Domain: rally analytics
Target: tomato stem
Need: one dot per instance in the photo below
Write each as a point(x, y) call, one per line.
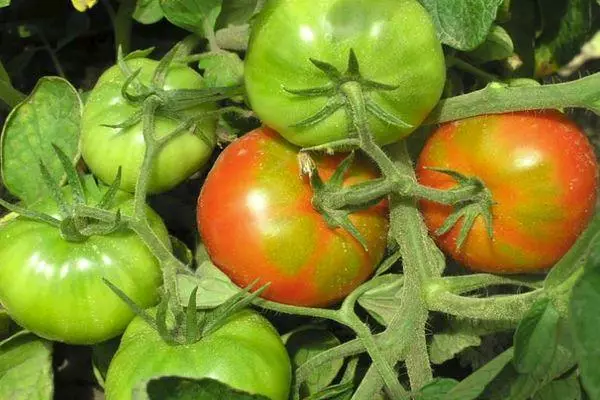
point(581, 93)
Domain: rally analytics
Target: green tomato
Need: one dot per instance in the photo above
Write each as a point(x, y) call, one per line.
point(104, 149)
point(395, 43)
point(54, 287)
point(246, 353)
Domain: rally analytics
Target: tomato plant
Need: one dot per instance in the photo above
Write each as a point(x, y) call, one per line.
point(105, 148)
point(542, 174)
point(54, 287)
point(255, 193)
point(395, 43)
point(245, 353)
point(352, 246)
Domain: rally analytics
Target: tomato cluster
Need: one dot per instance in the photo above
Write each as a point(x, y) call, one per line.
point(256, 212)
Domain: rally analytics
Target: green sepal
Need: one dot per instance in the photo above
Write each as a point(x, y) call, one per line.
point(108, 197)
point(191, 320)
point(135, 118)
point(337, 179)
point(385, 116)
point(31, 214)
point(55, 191)
point(140, 312)
point(332, 105)
point(353, 69)
point(327, 90)
point(469, 212)
point(342, 145)
point(72, 176)
point(331, 71)
point(129, 80)
point(216, 318)
point(160, 73)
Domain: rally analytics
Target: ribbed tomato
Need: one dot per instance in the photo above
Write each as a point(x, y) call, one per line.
point(257, 222)
point(542, 173)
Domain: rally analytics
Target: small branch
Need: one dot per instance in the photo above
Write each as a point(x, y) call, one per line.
point(468, 283)
point(582, 93)
point(9, 95)
point(465, 66)
point(496, 308)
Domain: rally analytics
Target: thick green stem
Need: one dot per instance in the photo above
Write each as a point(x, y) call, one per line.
point(582, 93)
point(10, 95)
point(141, 186)
point(495, 308)
point(122, 25)
point(467, 283)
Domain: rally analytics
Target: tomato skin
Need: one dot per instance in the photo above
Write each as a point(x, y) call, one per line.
point(54, 288)
point(246, 353)
point(542, 173)
point(104, 149)
point(395, 43)
point(256, 220)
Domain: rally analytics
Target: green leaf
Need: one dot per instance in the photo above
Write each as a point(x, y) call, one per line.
point(179, 388)
point(50, 115)
point(566, 24)
point(384, 300)
point(585, 324)
point(462, 24)
point(235, 12)
point(26, 368)
point(196, 16)
point(4, 3)
point(148, 12)
point(436, 389)
point(214, 287)
point(222, 68)
point(444, 346)
point(536, 338)
point(572, 261)
point(473, 385)
point(561, 389)
point(304, 344)
point(497, 46)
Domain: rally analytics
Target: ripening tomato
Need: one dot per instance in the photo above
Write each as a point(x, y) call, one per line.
point(542, 173)
point(395, 43)
point(257, 222)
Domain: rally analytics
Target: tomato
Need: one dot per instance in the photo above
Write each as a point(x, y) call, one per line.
point(246, 353)
point(104, 149)
point(54, 287)
point(542, 173)
point(395, 43)
point(256, 220)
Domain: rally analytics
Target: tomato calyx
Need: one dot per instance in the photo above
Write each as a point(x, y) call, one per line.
point(73, 226)
point(468, 210)
point(169, 103)
point(190, 326)
point(335, 91)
